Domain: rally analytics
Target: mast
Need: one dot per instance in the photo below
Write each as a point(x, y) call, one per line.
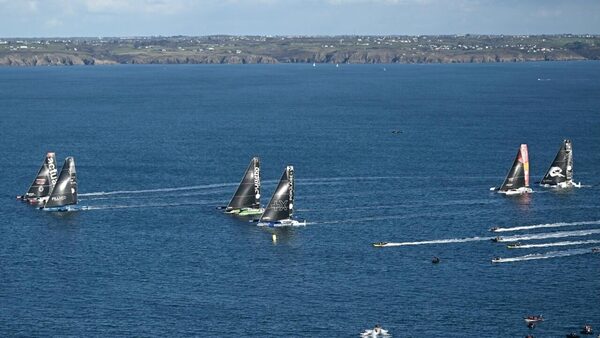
point(247, 194)
point(46, 178)
point(518, 176)
point(65, 191)
point(281, 205)
point(561, 169)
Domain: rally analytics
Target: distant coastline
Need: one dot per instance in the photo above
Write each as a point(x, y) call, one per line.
point(225, 49)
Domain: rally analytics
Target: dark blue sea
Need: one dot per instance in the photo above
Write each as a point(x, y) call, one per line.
point(395, 153)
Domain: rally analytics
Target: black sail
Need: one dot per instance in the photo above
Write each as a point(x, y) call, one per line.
point(65, 191)
point(247, 194)
point(46, 178)
point(518, 176)
point(561, 169)
point(282, 203)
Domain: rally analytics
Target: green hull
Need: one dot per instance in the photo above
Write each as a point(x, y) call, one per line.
point(246, 212)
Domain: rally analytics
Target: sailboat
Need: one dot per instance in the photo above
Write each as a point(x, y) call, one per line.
point(560, 174)
point(64, 195)
point(517, 180)
point(280, 209)
point(246, 199)
point(44, 182)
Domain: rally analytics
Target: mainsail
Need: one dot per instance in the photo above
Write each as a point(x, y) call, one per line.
point(561, 170)
point(281, 205)
point(247, 194)
point(518, 176)
point(45, 180)
point(65, 191)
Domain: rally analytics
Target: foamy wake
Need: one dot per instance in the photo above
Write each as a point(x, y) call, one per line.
point(559, 234)
point(144, 191)
point(441, 241)
point(547, 225)
point(565, 243)
point(551, 254)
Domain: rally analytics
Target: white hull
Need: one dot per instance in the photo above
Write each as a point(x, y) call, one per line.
point(283, 223)
point(563, 185)
point(519, 191)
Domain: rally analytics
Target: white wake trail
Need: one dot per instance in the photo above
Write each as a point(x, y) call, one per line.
point(441, 241)
point(559, 234)
point(551, 254)
point(144, 191)
point(547, 225)
point(565, 243)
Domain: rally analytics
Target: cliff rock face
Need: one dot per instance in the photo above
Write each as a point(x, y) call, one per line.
point(47, 59)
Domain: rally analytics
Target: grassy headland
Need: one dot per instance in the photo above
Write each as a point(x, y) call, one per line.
point(224, 49)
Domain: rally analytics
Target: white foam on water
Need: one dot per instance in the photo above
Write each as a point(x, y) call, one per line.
point(144, 191)
point(547, 225)
point(565, 243)
point(547, 255)
point(441, 241)
point(559, 234)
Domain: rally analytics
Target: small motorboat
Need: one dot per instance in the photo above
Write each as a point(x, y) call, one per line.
point(377, 331)
point(496, 260)
point(514, 245)
point(573, 335)
point(497, 239)
point(435, 260)
point(494, 229)
point(533, 319)
point(380, 244)
point(595, 250)
point(587, 329)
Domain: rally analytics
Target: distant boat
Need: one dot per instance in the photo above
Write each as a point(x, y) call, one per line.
point(337, 65)
point(64, 195)
point(280, 209)
point(44, 182)
point(517, 180)
point(314, 64)
point(246, 199)
point(560, 174)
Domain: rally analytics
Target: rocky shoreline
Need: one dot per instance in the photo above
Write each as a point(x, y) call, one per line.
point(262, 50)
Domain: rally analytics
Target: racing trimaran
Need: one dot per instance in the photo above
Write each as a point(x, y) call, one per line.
point(280, 209)
point(43, 184)
point(517, 180)
point(64, 194)
point(246, 199)
point(560, 173)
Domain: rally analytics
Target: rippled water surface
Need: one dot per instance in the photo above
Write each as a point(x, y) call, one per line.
point(158, 147)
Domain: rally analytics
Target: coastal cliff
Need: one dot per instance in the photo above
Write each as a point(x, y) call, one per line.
point(269, 50)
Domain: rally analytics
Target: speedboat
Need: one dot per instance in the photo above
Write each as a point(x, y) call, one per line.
point(496, 260)
point(587, 329)
point(513, 245)
point(380, 244)
point(533, 319)
point(497, 239)
point(435, 260)
point(376, 332)
point(595, 250)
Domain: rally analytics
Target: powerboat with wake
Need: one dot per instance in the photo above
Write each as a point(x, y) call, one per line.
point(280, 209)
point(43, 184)
point(377, 331)
point(560, 173)
point(517, 180)
point(64, 195)
point(246, 199)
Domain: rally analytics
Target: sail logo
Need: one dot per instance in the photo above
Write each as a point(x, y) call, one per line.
point(52, 170)
point(59, 198)
point(257, 182)
point(280, 205)
point(555, 172)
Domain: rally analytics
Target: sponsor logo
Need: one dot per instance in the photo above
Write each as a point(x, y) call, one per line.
point(52, 170)
point(59, 198)
point(555, 172)
point(257, 182)
point(280, 205)
point(40, 181)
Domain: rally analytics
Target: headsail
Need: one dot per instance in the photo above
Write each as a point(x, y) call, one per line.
point(281, 205)
point(247, 194)
point(45, 180)
point(561, 170)
point(517, 179)
point(65, 191)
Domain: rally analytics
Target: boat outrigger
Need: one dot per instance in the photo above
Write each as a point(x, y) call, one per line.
point(280, 209)
point(64, 195)
point(43, 184)
point(517, 180)
point(246, 199)
point(560, 173)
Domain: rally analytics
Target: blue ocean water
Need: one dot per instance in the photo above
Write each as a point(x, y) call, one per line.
point(158, 147)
